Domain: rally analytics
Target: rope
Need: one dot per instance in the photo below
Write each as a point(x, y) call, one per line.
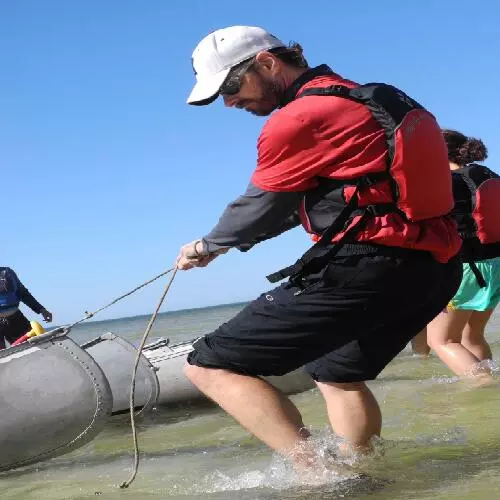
point(129, 481)
point(90, 315)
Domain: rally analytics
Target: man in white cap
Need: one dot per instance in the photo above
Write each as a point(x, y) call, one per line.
point(329, 158)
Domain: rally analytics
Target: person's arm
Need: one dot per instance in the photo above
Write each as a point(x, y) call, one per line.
point(289, 223)
point(25, 296)
point(253, 217)
point(290, 156)
point(287, 165)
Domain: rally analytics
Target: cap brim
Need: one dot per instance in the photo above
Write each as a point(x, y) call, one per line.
point(206, 90)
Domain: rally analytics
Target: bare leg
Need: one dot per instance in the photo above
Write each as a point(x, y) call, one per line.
point(258, 406)
point(419, 344)
point(444, 334)
point(353, 412)
point(473, 334)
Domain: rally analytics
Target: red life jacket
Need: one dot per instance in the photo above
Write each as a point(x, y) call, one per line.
point(416, 153)
point(476, 190)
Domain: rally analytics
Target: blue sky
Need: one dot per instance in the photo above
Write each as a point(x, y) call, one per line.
point(106, 171)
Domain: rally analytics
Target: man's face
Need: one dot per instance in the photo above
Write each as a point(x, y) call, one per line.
point(259, 92)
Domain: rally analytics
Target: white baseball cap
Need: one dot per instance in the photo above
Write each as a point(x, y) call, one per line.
point(215, 56)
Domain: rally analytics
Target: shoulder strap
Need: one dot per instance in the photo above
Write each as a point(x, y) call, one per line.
point(332, 90)
point(470, 183)
point(387, 104)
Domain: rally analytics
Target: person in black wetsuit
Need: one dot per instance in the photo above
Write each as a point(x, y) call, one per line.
point(13, 323)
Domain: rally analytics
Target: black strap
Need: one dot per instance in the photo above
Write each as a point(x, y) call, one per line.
point(318, 255)
point(477, 273)
point(291, 92)
point(472, 186)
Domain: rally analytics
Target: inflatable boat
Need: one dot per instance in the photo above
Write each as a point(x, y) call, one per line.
point(159, 379)
point(54, 398)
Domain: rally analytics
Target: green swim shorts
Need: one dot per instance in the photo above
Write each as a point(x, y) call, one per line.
point(470, 296)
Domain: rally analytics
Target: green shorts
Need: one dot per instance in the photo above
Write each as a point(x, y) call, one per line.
point(470, 296)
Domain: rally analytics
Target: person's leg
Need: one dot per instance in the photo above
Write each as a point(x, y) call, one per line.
point(353, 412)
point(473, 335)
point(275, 334)
point(444, 334)
point(17, 325)
point(419, 345)
point(358, 298)
point(258, 406)
point(3, 326)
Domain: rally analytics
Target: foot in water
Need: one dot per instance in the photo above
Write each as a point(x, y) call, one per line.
point(482, 374)
point(482, 380)
point(316, 465)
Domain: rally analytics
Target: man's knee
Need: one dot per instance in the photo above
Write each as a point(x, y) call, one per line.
point(193, 373)
point(202, 377)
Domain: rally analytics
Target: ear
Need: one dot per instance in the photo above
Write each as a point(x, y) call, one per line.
point(267, 62)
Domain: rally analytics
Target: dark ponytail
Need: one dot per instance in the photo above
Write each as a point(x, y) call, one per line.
point(463, 150)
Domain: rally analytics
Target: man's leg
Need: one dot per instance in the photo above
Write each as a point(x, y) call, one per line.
point(258, 406)
point(279, 332)
point(353, 412)
point(346, 327)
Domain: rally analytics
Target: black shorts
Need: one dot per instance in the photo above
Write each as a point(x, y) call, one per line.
point(12, 327)
point(345, 325)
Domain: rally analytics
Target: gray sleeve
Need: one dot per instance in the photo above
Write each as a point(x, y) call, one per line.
point(255, 216)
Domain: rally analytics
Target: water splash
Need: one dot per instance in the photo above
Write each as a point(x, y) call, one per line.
point(487, 366)
point(331, 469)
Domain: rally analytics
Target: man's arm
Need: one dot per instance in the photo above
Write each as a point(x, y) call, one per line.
point(25, 296)
point(288, 163)
point(255, 216)
point(289, 223)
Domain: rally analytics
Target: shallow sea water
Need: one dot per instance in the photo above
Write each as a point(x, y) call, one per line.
point(441, 440)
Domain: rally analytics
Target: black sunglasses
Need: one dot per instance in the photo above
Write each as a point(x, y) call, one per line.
point(232, 83)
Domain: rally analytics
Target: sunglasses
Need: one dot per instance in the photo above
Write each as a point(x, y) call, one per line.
point(232, 83)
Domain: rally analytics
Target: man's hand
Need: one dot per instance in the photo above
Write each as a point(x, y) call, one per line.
point(47, 316)
point(191, 255)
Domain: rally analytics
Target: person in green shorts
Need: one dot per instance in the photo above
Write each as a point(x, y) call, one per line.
point(457, 334)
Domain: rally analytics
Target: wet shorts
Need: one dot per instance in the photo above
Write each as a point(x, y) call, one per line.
point(345, 324)
point(470, 296)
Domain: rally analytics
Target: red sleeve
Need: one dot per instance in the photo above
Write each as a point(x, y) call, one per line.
point(290, 155)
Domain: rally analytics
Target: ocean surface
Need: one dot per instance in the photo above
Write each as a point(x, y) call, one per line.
point(441, 439)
